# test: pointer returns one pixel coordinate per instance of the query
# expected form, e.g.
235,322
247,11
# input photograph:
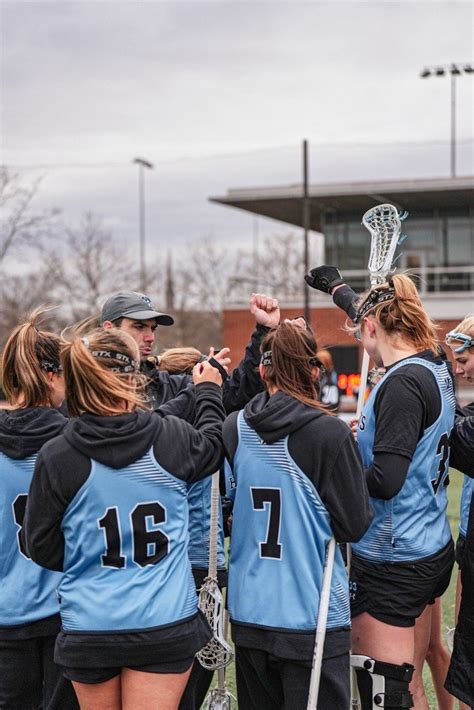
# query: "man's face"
142,331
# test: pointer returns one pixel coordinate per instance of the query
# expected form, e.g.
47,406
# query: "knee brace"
383,685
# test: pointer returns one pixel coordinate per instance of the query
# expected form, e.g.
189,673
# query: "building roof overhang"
285,203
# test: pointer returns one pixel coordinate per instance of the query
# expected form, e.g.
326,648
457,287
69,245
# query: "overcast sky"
220,94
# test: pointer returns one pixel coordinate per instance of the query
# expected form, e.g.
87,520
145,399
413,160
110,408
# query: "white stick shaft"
213,530
321,627
363,384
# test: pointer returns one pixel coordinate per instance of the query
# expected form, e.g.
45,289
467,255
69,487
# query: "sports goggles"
467,341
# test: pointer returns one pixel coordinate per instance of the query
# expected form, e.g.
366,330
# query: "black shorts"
397,594
459,551
100,675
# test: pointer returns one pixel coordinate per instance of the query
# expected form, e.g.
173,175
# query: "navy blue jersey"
199,500
280,534
27,591
413,524
126,550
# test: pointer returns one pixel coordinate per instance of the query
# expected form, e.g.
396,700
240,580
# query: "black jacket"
462,441
175,394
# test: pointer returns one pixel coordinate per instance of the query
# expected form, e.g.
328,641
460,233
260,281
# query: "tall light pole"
452,70
306,223
142,164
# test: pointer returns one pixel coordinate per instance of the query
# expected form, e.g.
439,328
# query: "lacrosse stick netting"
220,697
217,653
384,224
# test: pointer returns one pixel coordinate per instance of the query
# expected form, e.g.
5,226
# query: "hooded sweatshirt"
108,507
28,603
296,477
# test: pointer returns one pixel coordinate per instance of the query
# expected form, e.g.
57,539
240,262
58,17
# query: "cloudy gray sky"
220,94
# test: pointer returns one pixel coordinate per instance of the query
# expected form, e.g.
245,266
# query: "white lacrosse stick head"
384,224
217,653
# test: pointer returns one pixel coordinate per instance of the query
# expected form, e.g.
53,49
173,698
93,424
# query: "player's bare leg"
99,696
160,691
438,658
422,640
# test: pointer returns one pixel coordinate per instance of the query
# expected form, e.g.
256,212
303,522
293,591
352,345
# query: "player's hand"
220,361
265,309
300,322
353,425
324,278
205,372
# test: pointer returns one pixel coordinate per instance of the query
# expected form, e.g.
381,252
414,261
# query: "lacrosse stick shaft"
321,627
221,671
364,373
213,530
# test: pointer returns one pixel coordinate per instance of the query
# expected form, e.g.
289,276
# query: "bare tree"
20,225
21,294
89,266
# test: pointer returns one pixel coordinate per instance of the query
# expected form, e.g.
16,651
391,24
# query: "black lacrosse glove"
324,278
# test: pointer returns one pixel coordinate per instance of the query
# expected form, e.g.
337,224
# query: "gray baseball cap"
129,304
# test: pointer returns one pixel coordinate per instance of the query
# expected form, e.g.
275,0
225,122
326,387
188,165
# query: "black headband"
127,364
49,366
378,295
267,360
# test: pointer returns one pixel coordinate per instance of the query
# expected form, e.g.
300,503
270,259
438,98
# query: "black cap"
129,304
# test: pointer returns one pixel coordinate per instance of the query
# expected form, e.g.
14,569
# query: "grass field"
454,492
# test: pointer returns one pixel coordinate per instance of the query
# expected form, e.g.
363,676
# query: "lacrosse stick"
321,627
384,223
217,653
220,698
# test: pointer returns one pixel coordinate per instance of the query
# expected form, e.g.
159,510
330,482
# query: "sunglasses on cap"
466,341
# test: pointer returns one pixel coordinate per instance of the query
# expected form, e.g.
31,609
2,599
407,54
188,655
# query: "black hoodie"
64,464
322,446
24,431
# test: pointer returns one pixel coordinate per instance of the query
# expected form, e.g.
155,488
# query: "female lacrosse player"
404,561
296,477
29,612
108,507
460,681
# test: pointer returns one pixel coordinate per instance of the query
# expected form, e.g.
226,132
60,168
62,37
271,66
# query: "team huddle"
106,461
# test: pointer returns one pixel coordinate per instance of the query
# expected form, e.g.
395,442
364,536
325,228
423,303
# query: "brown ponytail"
28,356
402,314
291,363
101,372
179,360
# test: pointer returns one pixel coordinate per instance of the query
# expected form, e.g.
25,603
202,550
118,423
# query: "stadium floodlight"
453,70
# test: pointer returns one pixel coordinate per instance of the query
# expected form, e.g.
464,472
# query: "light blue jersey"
413,524
466,496
126,565
199,500
27,591
280,534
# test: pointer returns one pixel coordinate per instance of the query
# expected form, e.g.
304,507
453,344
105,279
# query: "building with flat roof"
439,251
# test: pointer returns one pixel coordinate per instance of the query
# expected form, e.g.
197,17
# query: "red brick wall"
327,324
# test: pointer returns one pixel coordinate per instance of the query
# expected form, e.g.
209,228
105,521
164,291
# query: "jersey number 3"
443,451
271,497
149,546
